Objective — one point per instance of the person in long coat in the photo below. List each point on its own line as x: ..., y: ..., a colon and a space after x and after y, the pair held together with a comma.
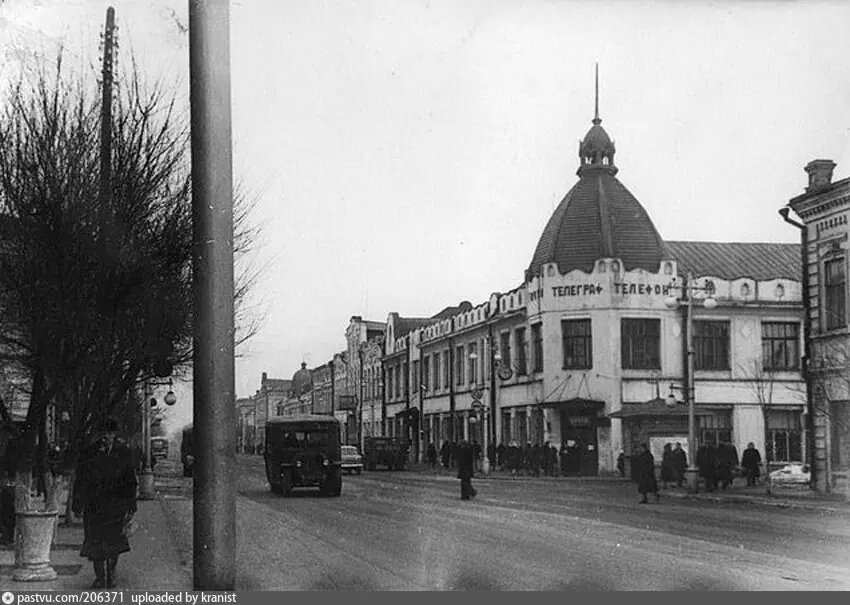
x: 432, y: 455
x: 727, y: 462
x: 105, y: 494
x: 646, y: 474
x: 707, y: 463
x: 751, y: 463
x: 680, y: 463
x: 466, y: 470
x: 445, y: 454
x: 668, y: 473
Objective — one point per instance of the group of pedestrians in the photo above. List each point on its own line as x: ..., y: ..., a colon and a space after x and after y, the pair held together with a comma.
x: 717, y: 466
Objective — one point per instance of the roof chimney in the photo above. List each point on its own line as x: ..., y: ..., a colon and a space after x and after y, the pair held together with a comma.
x: 265, y: 377
x: 820, y: 174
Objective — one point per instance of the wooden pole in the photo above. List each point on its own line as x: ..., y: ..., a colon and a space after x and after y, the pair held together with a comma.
x: 212, y: 211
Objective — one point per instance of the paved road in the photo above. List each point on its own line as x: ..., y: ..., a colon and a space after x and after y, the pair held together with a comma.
x: 411, y: 531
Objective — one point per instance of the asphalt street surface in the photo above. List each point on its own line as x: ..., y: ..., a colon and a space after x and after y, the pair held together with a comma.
x: 410, y: 531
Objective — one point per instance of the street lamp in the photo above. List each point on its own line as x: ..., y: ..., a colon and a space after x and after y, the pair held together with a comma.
x: 671, y: 302
x: 146, y: 478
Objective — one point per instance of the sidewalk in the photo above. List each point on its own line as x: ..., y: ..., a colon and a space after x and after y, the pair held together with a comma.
x: 800, y: 497
x: 152, y: 563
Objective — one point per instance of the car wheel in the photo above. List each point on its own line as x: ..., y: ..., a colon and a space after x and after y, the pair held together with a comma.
x: 358, y: 471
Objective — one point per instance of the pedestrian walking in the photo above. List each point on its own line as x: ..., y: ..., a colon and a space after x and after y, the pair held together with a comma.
x: 466, y: 470
x: 105, y: 494
x: 668, y: 474
x: 621, y: 464
x: 432, y: 456
x: 751, y: 463
x: 680, y: 463
x: 646, y: 474
x: 500, y: 456
x: 707, y: 463
x: 445, y: 454
x: 727, y: 462
x: 564, y: 454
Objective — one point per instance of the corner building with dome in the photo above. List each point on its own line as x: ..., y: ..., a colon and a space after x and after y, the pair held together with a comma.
x: 591, y: 351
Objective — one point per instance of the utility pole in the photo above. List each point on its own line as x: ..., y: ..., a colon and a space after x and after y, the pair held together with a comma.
x: 106, y: 113
x: 214, y: 507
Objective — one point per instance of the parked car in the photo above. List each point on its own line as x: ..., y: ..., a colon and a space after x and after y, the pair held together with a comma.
x: 351, y: 460
x: 303, y: 451
x: 795, y: 473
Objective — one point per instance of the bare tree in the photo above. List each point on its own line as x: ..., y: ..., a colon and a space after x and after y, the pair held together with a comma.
x: 762, y: 382
x: 95, y: 288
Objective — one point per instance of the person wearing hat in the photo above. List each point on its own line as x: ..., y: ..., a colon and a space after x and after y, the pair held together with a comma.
x: 105, y: 494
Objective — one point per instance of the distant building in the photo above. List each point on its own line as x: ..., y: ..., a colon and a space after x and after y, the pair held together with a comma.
x: 247, y: 434
x: 825, y: 210
x: 269, y: 400
x: 587, y: 350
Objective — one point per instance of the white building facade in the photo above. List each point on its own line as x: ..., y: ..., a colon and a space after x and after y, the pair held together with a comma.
x: 588, y: 349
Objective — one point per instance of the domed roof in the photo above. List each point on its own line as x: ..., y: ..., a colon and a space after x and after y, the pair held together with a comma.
x: 302, y: 380
x: 598, y: 218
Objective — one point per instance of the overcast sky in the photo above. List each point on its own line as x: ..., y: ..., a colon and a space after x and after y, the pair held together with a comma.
x: 407, y: 154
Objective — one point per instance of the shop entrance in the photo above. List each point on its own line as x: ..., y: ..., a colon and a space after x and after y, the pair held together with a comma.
x: 578, y: 433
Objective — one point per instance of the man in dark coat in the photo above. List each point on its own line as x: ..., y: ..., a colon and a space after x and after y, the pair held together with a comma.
x: 105, y: 494
x: 466, y: 470
x: 727, y: 462
x: 445, y: 454
x: 680, y: 463
x: 667, y: 472
x: 646, y: 474
x: 432, y: 455
x: 751, y: 463
x: 707, y: 463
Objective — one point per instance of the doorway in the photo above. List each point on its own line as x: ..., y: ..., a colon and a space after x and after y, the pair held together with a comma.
x: 578, y: 433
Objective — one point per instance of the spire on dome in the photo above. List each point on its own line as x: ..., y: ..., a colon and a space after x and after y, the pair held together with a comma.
x: 596, y: 119
x: 597, y: 149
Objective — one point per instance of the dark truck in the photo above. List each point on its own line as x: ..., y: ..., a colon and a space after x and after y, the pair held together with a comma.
x: 303, y: 451
x: 390, y: 452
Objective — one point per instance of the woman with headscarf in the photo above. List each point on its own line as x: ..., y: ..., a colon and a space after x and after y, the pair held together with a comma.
x: 105, y: 493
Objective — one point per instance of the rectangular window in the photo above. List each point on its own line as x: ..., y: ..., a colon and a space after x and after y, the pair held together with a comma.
x: 711, y: 345
x: 835, y: 294
x: 446, y: 369
x: 640, y: 340
x: 417, y: 378
x: 405, y: 378
x: 459, y: 365
x: 521, y: 352
x: 506, y: 427
x: 537, y: 347
x: 780, y: 345
x: 784, y: 437
x: 437, y: 369
x: 505, y: 349
x: 390, y: 383
x: 426, y: 372
x: 472, y: 366
x: 577, y: 341
x: 397, y: 370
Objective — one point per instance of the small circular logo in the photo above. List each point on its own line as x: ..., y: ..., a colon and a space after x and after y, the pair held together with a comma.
x: 476, y: 393
x: 8, y: 597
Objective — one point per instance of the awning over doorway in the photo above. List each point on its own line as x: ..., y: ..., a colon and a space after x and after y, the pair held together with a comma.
x: 657, y: 407
x: 577, y: 406
x: 411, y: 412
